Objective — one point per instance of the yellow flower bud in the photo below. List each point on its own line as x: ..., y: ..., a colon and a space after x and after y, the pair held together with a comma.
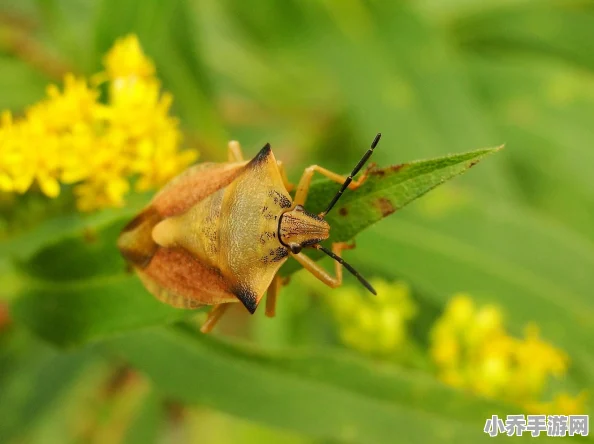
x: 460, y: 310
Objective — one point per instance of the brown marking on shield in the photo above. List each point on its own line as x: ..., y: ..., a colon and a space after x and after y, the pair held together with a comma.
x: 279, y: 199
x: 278, y: 254
x: 343, y: 211
x: 175, y: 277
x: 385, y: 206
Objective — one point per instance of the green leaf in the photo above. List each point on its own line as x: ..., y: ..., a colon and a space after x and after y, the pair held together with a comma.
x: 149, y: 419
x: 92, y: 251
x: 318, y: 394
x: 20, y: 84
x: 551, y: 28
x: 540, y: 105
x: 73, y: 313
x: 76, y: 290
x: 387, y: 190
x: 384, y: 192
x: 51, y: 231
x: 20, y: 251
x: 34, y: 378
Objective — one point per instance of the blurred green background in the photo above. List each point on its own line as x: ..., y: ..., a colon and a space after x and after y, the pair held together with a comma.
x: 316, y: 79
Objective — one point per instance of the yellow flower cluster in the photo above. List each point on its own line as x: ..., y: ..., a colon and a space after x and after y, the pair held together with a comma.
x: 472, y: 350
x: 73, y: 137
x: 377, y: 324
x: 469, y: 346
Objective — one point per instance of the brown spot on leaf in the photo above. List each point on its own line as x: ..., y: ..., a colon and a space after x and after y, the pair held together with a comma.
x: 397, y: 168
x: 385, y: 206
x: 121, y: 378
x: 90, y: 235
x: 4, y: 316
x: 176, y: 411
x: 343, y: 211
x: 391, y: 169
x: 473, y: 163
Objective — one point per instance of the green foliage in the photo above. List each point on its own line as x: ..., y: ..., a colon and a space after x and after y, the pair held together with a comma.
x: 386, y: 191
x: 74, y: 313
x: 317, y: 80
x: 361, y: 402
x: 33, y: 377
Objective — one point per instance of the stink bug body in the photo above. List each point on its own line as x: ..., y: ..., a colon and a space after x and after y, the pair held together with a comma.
x: 219, y: 232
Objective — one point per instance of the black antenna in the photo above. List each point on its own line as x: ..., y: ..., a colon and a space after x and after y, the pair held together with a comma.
x: 348, y: 267
x: 349, y: 179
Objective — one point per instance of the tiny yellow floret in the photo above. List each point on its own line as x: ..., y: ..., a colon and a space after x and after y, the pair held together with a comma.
x: 127, y: 60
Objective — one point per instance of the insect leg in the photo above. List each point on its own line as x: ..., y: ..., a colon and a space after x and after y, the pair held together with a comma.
x: 234, y: 151
x: 288, y: 185
x: 304, y: 182
x: 319, y: 272
x: 272, y: 295
x: 213, y: 317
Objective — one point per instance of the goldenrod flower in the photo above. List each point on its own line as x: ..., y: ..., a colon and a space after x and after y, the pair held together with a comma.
x: 539, y: 356
x: 472, y: 350
x: 71, y: 137
x: 562, y: 404
x: 376, y: 324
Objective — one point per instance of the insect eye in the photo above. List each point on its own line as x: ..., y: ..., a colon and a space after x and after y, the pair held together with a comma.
x: 299, y: 208
x: 295, y: 248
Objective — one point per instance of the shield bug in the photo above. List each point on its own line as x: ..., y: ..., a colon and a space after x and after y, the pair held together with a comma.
x: 219, y: 232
